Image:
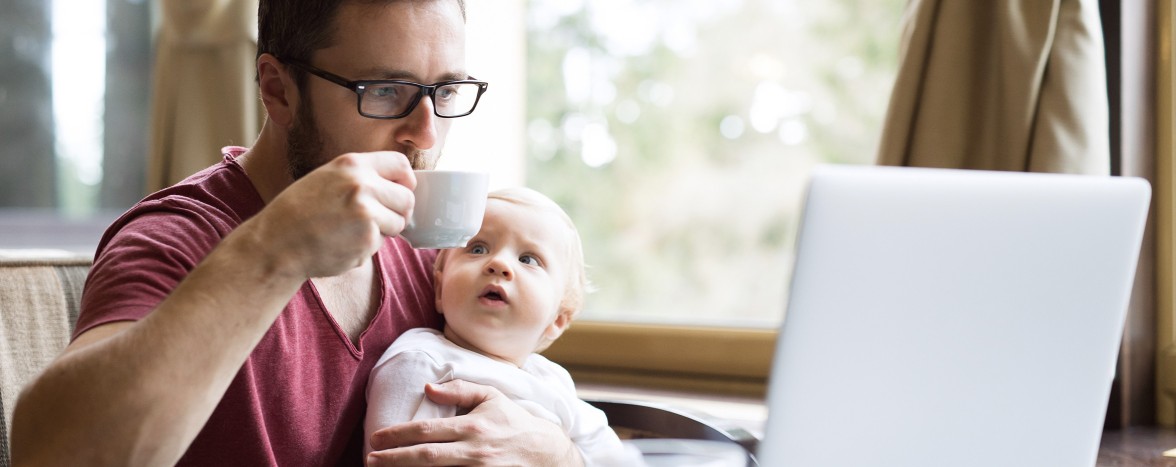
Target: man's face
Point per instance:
(423, 42)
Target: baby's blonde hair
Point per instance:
(577, 281)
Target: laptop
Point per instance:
(949, 317)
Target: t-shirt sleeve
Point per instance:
(142, 258)
(396, 392)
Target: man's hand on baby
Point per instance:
(496, 431)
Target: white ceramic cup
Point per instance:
(449, 208)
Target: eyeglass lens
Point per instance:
(451, 100)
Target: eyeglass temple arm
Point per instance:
(323, 74)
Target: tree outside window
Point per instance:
(679, 136)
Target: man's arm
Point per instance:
(138, 393)
(495, 432)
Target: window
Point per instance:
(74, 93)
(679, 136)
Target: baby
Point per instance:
(508, 294)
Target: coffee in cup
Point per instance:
(448, 210)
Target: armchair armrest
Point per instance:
(640, 419)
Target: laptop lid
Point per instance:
(949, 317)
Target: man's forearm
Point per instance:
(141, 396)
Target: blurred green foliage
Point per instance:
(679, 133)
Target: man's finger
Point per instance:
(461, 393)
(389, 223)
(434, 430)
(392, 166)
(393, 196)
(431, 455)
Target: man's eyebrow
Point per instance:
(385, 73)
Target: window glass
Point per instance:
(74, 93)
(679, 135)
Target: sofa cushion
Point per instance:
(39, 296)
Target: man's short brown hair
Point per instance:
(294, 29)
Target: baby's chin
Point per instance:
(484, 345)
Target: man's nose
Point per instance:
(419, 128)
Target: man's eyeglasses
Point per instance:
(393, 98)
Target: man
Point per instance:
(201, 339)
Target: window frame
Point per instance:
(711, 360)
(1165, 222)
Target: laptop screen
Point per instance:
(949, 317)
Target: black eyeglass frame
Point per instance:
(360, 86)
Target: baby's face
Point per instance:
(501, 293)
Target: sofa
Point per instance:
(39, 295)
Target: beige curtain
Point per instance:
(205, 96)
(1016, 85)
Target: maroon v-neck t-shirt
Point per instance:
(299, 398)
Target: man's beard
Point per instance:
(305, 147)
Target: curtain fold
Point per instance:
(204, 96)
(1015, 85)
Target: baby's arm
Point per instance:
(598, 443)
(589, 430)
(396, 392)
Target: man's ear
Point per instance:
(279, 93)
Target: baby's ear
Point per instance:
(563, 319)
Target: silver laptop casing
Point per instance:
(948, 317)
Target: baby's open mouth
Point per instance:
(494, 294)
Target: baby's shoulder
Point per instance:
(542, 368)
(416, 341)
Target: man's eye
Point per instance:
(446, 93)
(385, 91)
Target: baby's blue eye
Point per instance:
(528, 259)
(478, 250)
